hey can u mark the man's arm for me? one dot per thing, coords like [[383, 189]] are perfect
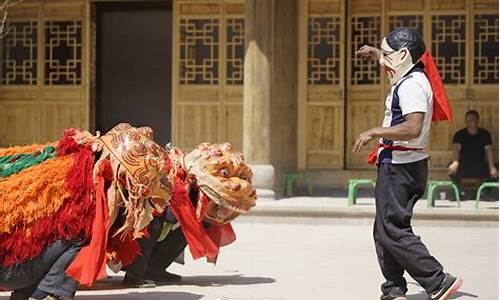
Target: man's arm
[[455, 155], [369, 53], [491, 161], [408, 130]]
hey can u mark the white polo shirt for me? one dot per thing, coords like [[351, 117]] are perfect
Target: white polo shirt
[[410, 94]]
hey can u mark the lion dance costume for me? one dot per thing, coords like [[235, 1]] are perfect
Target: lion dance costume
[[105, 191]]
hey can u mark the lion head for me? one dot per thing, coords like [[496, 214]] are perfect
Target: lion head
[[224, 181]]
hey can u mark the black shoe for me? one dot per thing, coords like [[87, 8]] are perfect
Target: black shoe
[[395, 294], [49, 297], [448, 288], [138, 282], [393, 297], [163, 277], [43, 295]]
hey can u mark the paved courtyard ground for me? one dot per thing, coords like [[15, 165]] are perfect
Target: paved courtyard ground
[[311, 260]]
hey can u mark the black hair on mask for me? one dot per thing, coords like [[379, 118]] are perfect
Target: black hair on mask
[[406, 37]]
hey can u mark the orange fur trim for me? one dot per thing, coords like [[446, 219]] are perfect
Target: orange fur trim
[[25, 149], [33, 193]]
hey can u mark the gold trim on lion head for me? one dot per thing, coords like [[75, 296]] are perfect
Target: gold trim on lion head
[[143, 159]]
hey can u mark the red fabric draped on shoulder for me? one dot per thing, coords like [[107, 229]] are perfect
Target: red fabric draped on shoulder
[[442, 108]]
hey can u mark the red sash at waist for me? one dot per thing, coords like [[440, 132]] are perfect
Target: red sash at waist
[[372, 157]]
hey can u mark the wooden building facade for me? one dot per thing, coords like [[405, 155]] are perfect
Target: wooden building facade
[[328, 96]]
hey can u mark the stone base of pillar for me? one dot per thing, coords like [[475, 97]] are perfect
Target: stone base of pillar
[[263, 181]]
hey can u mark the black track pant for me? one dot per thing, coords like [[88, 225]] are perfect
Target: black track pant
[[398, 188], [157, 256]]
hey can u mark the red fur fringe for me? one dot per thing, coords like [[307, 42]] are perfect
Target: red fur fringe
[[67, 144], [71, 221]]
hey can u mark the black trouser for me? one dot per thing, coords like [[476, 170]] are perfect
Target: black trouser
[[398, 188], [45, 272], [157, 256]]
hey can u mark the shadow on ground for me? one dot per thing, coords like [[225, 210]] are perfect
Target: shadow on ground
[[145, 295], [134, 295], [222, 280], [115, 282]]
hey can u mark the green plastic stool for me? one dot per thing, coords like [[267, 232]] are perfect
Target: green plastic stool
[[288, 180], [434, 184], [481, 188], [352, 189]]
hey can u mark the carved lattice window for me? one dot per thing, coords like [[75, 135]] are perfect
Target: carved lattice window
[[199, 51], [323, 50], [412, 21], [63, 52], [448, 47], [235, 48], [486, 49], [19, 53], [364, 30]]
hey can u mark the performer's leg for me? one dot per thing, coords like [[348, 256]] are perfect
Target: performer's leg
[[136, 271], [395, 284], [55, 281], [164, 254], [400, 187], [25, 277]]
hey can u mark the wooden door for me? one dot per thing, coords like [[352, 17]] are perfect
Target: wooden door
[[208, 72], [321, 85], [43, 77]]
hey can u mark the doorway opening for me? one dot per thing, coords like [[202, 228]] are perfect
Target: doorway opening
[[134, 66]]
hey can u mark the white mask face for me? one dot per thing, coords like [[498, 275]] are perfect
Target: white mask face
[[395, 63]]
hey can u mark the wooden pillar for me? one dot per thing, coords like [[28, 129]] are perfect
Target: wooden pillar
[[284, 85], [270, 89], [257, 82]]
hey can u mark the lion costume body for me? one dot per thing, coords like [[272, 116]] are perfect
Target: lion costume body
[[78, 187]]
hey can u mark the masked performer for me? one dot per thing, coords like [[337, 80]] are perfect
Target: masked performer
[[417, 97], [212, 186], [54, 223]]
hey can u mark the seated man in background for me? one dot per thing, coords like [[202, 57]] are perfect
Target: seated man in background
[[472, 153]]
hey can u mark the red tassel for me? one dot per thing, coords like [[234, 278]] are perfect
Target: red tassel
[[442, 109], [222, 235], [90, 263], [199, 242], [372, 157], [67, 144]]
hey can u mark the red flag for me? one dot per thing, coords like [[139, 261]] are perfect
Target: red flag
[[442, 109]]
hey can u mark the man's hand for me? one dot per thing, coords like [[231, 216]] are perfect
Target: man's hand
[[363, 139], [493, 172], [369, 53], [453, 168]]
